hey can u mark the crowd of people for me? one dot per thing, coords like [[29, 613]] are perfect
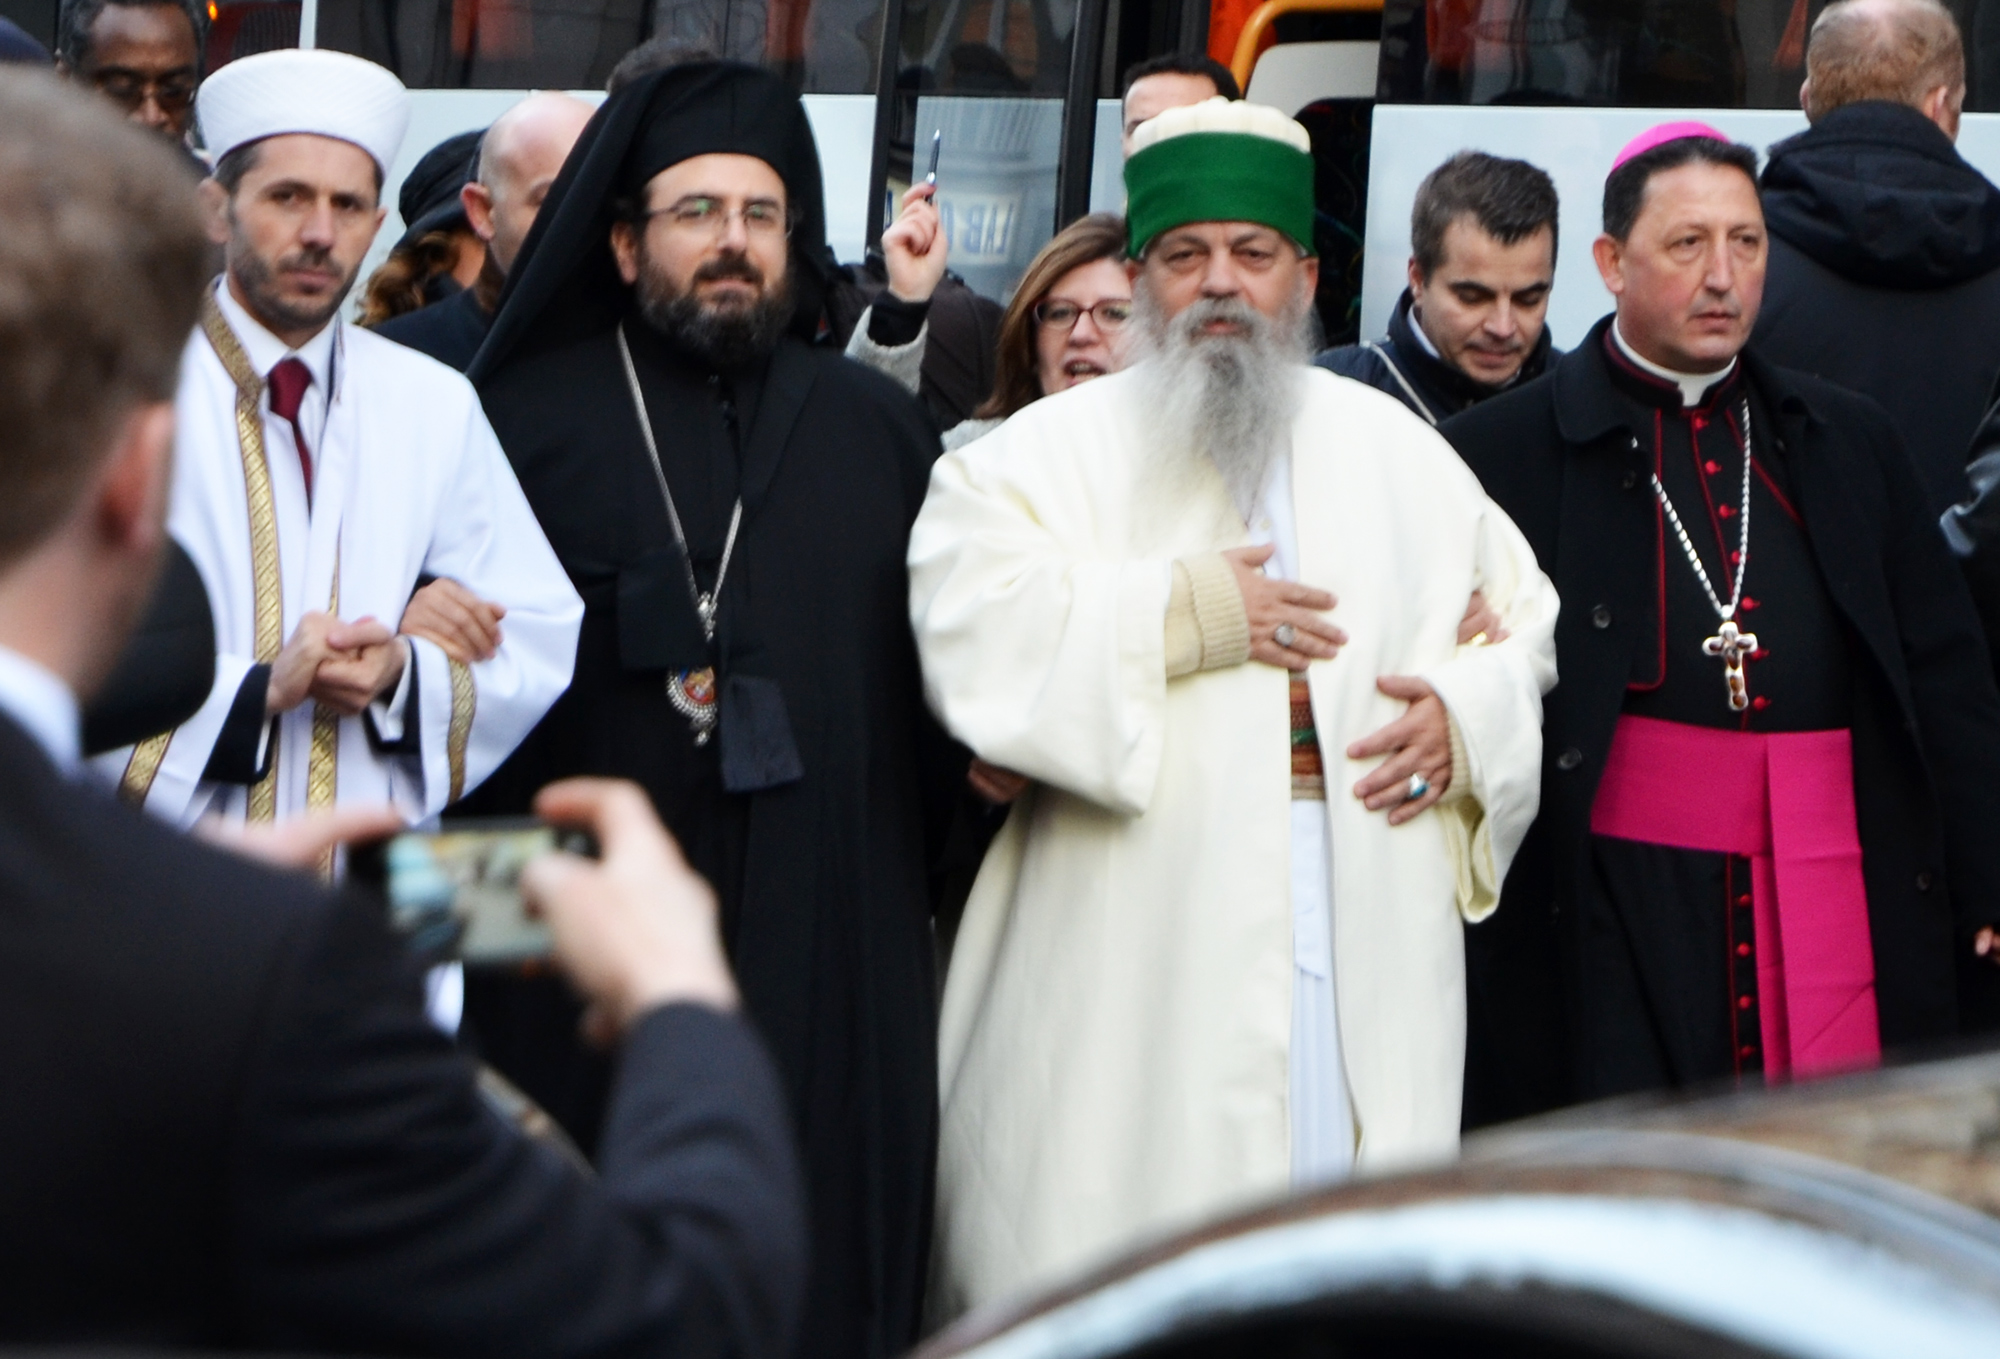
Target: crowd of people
[[1062, 771]]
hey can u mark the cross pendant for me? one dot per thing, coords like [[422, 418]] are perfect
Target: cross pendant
[[1732, 645]]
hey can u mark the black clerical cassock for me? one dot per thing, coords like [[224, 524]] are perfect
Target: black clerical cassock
[[790, 752], [1629, 952]]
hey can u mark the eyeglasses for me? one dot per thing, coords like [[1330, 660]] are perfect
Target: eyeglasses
[[173, 93], [1109, 314], [761, 217]]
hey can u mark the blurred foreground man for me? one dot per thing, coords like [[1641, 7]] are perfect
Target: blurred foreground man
[[1474, 319], [320, 472], [1885, 242], [1216, 948], [1767, 809], [734, 505], [519, 159], [229, 1124]]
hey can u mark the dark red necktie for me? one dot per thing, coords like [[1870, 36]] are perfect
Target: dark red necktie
[[289, 381]]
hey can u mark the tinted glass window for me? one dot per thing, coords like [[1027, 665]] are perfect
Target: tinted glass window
[[1634, 53], [823, 46]]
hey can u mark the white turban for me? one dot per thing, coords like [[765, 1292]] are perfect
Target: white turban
[[329, 94]]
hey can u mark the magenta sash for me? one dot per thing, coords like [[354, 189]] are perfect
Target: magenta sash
[[1786, 801]]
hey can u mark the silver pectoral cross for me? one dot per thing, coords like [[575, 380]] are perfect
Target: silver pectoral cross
[[1733, 645]]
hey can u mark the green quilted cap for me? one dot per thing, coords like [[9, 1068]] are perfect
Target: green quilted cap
[[1219, 161]]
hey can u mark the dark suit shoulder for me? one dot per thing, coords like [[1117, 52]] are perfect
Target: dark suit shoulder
[[1357, 361]]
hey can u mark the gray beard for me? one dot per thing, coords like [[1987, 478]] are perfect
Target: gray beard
[[1230, 399]]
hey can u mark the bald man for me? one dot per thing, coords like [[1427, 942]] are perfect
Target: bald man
[[519, 159], [1885, 242]]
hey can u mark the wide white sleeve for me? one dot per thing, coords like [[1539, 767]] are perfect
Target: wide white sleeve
[[1494, 694], [1040, 659], [486, 538]]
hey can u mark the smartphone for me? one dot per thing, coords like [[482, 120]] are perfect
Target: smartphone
[[456, 893], [937, 149]]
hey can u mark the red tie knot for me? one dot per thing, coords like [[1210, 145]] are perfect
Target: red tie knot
[[289, 380]]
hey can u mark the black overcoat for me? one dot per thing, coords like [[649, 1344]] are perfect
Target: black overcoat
[[823, 878], [1560, 459]]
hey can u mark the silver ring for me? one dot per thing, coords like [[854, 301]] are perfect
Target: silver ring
[[1419, 785], [1284, 635]]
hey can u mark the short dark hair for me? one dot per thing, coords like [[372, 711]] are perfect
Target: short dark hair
[[1625, 188], [1183, 63], [102, 264], [241, 160], [1510, 200], [78, 17]]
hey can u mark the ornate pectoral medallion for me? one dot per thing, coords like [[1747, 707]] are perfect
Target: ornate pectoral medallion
[[692, 693]]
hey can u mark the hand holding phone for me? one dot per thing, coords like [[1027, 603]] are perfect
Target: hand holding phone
[[637, 928]]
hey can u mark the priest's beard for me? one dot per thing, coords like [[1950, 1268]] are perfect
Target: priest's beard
[[258, 279], [721, 335], [1229, 399]]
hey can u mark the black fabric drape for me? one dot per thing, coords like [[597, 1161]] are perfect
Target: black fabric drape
[[823, 880]]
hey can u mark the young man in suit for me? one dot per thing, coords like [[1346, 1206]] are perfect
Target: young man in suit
[[228, 1122]]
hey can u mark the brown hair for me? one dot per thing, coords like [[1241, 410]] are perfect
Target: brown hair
[[1898, 53], [102, 262], [402, 283], [1100, 236]]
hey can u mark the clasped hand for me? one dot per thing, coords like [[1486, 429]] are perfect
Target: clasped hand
[[345, 666]]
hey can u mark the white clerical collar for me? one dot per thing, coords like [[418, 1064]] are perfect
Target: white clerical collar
[[42, 704], [1694, 386], [264, 350]]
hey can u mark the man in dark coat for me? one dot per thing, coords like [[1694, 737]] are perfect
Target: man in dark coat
[[1885, 243], [508, 171], [228, 1122], [734, 506], [1768, 799], [1474, 320]]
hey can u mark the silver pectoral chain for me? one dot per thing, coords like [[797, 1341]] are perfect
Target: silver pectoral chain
[[692, 692], [1730, 643]]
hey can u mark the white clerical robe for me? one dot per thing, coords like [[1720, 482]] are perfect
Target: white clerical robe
[[407, 481], [1115, 1050]]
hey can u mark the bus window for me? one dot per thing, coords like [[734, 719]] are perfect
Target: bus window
[[821, 46], [1628, 53]]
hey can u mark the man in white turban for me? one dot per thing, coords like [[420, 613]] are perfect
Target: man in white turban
[[322, 475], [1210, 605]]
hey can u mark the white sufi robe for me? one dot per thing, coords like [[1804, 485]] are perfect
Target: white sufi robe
[[407, 481], [1116, 1044]]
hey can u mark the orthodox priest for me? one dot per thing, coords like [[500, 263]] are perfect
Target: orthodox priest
[[734, 506], [320, 472], [1765, 846], [1216, 949]]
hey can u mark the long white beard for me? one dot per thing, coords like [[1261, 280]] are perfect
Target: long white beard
[[1228, 399]]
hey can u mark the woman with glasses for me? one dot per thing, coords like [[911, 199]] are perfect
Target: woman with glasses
[[1066, 324]]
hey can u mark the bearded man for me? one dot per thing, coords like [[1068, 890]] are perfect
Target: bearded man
[[321, 472], [1216, 948], [1765, 844], [734, 506]]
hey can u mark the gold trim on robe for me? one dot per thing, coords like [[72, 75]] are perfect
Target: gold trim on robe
[[464, 703]]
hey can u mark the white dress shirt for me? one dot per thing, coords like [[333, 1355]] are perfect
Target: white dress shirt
[[33, 696]]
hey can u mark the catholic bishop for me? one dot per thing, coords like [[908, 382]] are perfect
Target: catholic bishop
[[1210, 606], [323, 475]]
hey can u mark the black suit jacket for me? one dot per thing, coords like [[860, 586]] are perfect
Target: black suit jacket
[[1558, 457], [226, 1122]]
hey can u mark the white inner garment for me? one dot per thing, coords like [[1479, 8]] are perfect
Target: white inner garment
[[1694, 386], [1322, 1111]]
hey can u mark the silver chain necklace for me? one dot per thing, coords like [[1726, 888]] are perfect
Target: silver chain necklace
[[692, 692], [1730, 643]]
